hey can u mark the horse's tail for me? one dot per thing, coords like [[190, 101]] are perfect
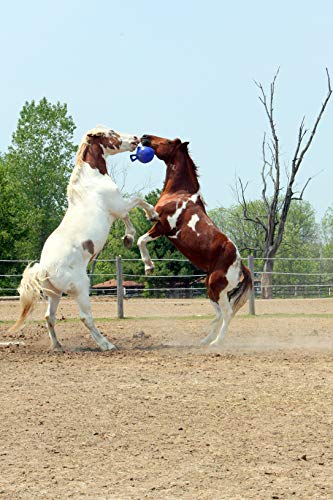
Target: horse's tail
[[30, 292], [239, 295]]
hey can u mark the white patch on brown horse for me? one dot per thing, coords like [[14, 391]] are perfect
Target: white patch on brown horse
[[194, 197], [172, 219], [175, 236], [192, 223]]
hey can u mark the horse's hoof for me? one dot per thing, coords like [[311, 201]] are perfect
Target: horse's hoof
[[107, 346], [58, 348], [128, 240], [215, 345], [204, 342], [149, 271]]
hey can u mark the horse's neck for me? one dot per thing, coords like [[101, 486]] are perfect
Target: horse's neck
[[92, 154], [181, 174], [87, 185]]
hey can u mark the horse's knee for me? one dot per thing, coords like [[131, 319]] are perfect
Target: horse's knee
[[128, 240], [141, 241], [50, 319]]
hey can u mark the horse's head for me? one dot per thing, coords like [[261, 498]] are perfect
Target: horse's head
[[110, 141], [100, 142], [165, 149]]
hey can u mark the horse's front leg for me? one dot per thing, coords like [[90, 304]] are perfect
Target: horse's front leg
[[147, 207], [153, 233], [128, 238]]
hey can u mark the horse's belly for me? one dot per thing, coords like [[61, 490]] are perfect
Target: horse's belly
[[197, 253], [68, 250]]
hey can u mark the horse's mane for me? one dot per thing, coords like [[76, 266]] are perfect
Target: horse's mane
[[181, 183], [79, 159], [184, 147], [73, 188]]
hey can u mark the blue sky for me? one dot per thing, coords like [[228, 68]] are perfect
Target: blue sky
[[183, 69]]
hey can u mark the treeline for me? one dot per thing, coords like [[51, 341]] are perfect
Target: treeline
[[34, 173]]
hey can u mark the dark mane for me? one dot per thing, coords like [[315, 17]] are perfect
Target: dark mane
[[185, 175], [193, 165], [180, 180]]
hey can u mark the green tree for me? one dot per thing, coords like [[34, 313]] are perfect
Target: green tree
[[327, 232], [10, 232], [38, 163], [301, 240], [327, 245], [248, 237]]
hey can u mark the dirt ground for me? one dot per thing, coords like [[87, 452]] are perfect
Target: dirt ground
[[162, 417]]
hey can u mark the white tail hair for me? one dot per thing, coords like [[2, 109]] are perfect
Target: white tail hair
[[30, 290]]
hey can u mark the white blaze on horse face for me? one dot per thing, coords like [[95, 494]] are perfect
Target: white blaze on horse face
[[128, 142], [192, 223]]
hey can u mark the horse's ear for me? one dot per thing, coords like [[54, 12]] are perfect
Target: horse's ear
[[184, 145]]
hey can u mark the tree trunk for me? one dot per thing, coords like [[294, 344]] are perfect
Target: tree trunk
[[267, 280]]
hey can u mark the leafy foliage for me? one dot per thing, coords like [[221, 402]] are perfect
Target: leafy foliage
[[38, 165], [301, 240]]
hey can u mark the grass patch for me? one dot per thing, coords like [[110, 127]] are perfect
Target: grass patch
[[185, 318]]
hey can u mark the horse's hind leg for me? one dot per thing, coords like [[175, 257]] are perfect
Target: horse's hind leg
[[83, 302], [215, 324], [50, 316], [227, 314]]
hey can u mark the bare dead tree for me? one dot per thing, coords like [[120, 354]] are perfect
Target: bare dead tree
[[278, 200]]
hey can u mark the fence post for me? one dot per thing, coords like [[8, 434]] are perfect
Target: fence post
[[120, 289], [252, 293]]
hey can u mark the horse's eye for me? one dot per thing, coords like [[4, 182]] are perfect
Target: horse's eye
[[169, 142]]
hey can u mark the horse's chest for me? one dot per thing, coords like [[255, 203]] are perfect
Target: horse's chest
[[172, 212]]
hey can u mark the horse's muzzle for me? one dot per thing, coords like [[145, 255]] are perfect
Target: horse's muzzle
[[145, 140]]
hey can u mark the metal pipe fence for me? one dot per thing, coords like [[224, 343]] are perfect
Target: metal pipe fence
[[292, 277]]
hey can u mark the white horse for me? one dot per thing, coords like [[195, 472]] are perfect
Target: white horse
[[94, 202]]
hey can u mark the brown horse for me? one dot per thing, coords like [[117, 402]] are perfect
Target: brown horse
[[184, 221]]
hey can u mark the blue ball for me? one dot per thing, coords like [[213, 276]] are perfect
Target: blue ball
[[144, 154]]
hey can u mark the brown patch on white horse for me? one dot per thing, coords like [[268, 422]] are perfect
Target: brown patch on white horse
[[89, 246], [184, 221]]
